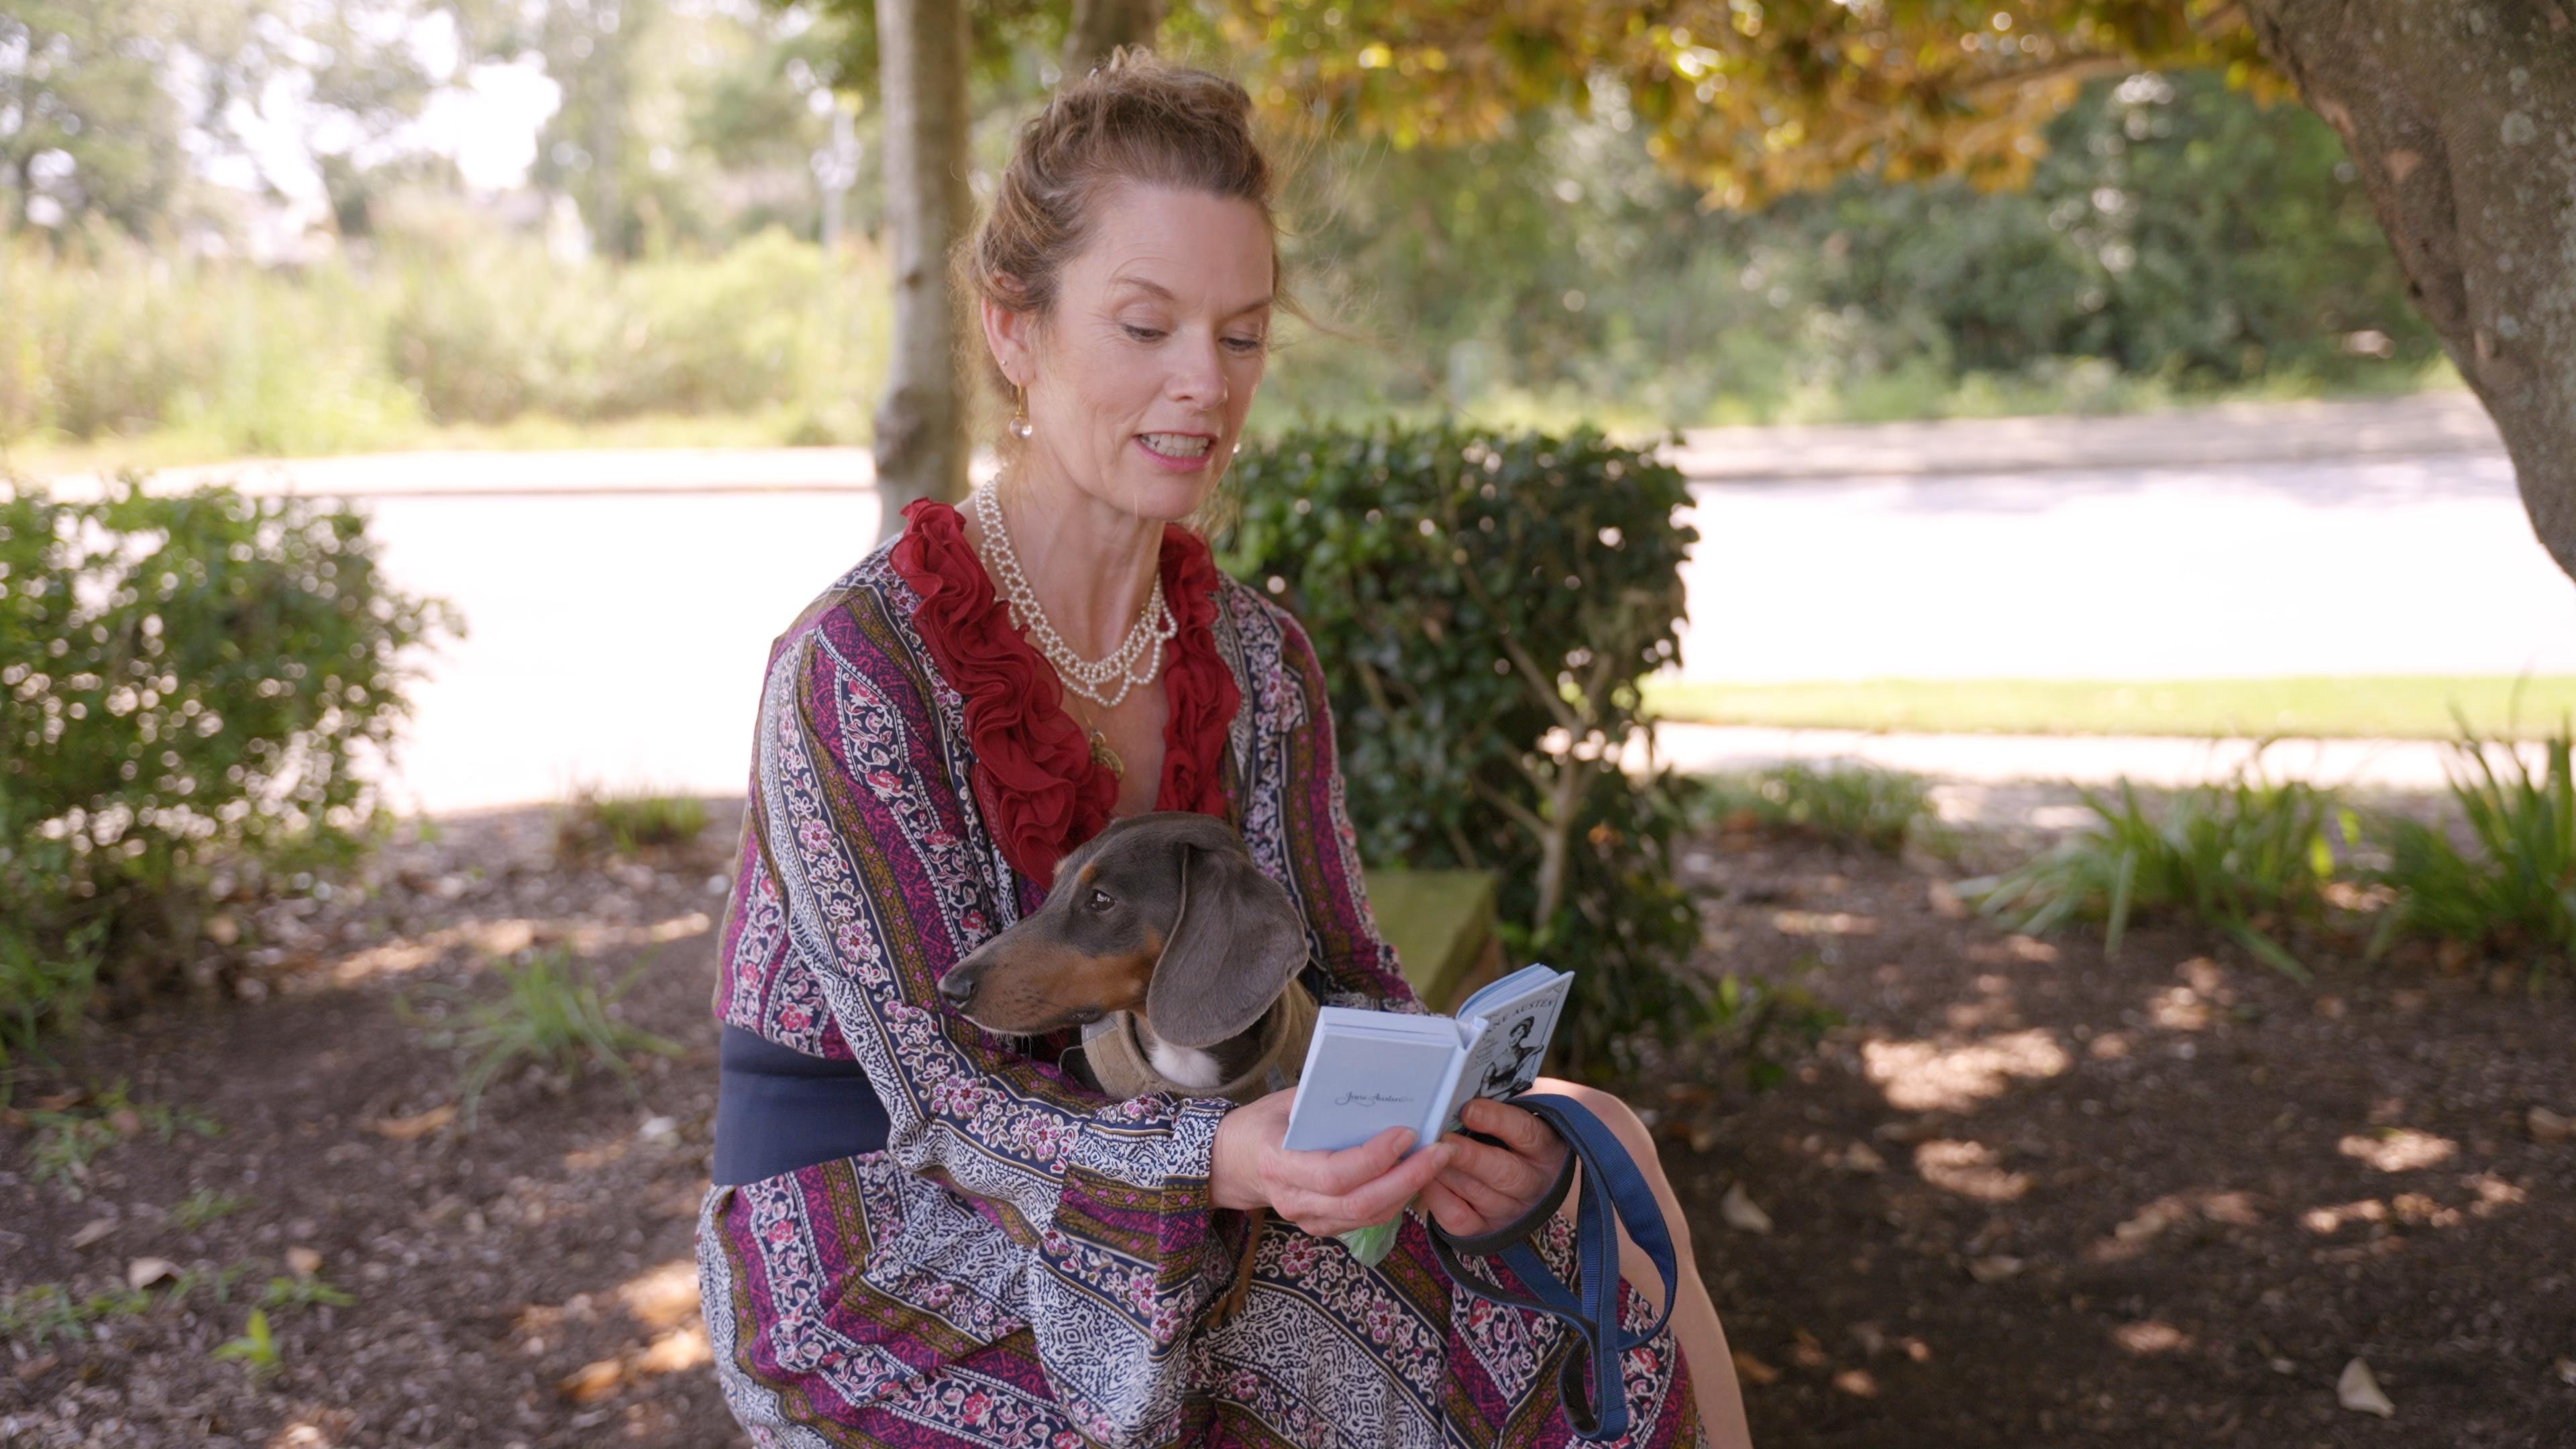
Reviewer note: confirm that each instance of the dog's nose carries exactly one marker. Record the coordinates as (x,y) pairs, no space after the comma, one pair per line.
(958,986)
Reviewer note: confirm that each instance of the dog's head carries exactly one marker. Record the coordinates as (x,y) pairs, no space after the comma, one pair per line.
(1162,914)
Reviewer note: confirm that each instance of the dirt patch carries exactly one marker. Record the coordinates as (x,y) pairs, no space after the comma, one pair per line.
(528,1282)
(2023,1196)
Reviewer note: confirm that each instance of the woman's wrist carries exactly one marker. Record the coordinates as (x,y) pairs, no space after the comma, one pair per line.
(1234,1166)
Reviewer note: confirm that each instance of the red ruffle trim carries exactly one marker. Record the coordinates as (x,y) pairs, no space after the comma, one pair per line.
(1040,791)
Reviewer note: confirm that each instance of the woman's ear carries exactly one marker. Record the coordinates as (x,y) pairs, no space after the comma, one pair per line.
(1009,335)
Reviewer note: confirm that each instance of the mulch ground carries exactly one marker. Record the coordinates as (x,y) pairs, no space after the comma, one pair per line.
(2022,1195)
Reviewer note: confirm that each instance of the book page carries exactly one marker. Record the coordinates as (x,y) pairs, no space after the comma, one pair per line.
(1368,1071)
(1509,1040)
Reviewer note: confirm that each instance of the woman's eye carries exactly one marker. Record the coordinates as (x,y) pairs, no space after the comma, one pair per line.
(1244,344)
(1142,334)
(1099,901)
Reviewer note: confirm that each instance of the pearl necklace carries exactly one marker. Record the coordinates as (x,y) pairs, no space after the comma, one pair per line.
(1085,677)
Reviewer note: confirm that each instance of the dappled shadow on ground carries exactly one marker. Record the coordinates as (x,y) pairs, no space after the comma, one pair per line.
(529,1281)
(2028,1196)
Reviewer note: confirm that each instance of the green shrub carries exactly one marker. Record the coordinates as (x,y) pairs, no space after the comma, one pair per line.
(625,822)
(2515,894)
(1850,805)
(552,1014)
(107,338)
(183,683)
(1484,605)
(2244,856)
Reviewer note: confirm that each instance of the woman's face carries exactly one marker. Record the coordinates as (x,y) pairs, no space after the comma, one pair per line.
(1138,388)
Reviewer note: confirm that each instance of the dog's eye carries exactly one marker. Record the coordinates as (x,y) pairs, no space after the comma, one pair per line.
(1099,901)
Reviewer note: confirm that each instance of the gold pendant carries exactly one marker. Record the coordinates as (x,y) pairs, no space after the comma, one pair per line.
(1106,756)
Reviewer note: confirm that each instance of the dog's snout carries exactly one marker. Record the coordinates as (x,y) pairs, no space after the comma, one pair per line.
(957,988)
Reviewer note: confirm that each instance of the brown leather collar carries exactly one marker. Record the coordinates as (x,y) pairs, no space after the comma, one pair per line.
(1119,1063)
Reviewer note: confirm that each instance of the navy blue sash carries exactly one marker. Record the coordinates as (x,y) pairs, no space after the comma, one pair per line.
(779,1109)
(1614,1194)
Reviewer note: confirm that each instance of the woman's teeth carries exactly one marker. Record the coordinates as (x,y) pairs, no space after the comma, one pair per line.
(1176,445)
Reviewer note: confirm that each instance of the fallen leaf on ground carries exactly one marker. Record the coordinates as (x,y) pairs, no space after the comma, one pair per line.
(144,1272)
(2359,1392)
(1806,1350)
(1861,1157)
(1995,1268)
(2547,1126)
(2567,1371)
(592,1382)
(1740,1211)
(91,1232)
(405,1129)
(303,1262)
(1857,1383)
(36,1368)
(1753,1370)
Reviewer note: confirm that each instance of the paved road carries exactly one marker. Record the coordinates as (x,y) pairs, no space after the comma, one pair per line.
(619,623)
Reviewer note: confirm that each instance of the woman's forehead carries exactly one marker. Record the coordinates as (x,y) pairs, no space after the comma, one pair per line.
(1185,248)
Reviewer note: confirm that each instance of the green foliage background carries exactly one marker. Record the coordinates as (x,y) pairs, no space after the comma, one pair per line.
(184,682)
(1484,603)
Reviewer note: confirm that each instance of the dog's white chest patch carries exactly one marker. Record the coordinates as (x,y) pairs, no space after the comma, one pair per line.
(1186,1065)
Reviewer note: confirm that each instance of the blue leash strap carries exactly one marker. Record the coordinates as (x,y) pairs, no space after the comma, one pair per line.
(1615,1195)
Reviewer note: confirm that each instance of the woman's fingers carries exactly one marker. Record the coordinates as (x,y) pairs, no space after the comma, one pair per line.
(1479,1189)
(1325,1212)
(1333,1173)
(1520,1130)
(1455,1215)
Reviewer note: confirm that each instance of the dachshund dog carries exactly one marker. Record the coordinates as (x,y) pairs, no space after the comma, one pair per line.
(1177,956)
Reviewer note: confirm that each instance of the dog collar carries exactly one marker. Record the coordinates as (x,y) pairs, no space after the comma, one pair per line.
(1119,1063)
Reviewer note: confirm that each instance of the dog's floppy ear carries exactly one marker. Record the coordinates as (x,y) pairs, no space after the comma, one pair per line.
(1237,944)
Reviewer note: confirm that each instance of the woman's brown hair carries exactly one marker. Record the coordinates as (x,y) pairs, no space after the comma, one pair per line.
(1132,119)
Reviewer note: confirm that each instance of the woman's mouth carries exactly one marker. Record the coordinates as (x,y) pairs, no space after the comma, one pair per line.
(1178,452)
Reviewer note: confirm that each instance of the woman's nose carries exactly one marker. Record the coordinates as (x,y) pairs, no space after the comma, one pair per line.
(1201,377)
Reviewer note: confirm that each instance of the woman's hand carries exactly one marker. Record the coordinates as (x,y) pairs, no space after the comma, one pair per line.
(1321,1192)
(1485,1186)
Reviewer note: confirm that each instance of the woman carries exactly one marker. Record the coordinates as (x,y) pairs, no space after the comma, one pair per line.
(959,1244)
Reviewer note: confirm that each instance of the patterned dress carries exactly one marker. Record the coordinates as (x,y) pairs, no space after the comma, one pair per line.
(1028,1263)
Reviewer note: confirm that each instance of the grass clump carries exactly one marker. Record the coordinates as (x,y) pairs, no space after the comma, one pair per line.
(552,1014)
(625,823)
(2514,892)
(69,1138)
(298,1292)
(204,1206)
(1850,805)
(255,1350)
(2245,856)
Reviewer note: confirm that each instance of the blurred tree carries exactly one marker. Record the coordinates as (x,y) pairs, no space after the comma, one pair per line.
(102,102)
(2463,111)
(1101,26)
(921,429)
(85,124)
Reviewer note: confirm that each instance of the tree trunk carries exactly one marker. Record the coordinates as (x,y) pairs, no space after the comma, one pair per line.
(922,443)
(1100,26)
(2461,115)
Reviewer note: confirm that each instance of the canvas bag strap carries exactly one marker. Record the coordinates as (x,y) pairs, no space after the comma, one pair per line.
(1614,1195)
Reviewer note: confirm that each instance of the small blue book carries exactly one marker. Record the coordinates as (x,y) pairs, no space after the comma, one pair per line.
(1367,1071)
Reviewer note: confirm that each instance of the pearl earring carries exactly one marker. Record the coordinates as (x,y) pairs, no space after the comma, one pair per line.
(1021,427)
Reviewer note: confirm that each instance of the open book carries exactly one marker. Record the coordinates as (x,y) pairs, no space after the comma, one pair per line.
(1367,1071)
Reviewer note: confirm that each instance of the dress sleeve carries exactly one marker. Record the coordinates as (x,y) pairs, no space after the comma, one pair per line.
(1103,1205)
(1323,846)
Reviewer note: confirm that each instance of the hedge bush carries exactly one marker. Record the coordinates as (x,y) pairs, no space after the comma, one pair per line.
(183,681)
(1484,604)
